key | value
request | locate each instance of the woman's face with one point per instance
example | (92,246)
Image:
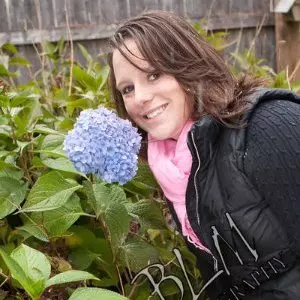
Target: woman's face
(155,102)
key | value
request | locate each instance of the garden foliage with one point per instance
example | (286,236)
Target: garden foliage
(65,234)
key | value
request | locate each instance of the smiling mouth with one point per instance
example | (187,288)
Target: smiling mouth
(156,112)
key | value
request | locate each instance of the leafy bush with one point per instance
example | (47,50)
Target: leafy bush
(63,234)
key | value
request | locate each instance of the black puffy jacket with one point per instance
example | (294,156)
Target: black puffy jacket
(252,256)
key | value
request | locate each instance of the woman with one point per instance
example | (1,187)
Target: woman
(225,152)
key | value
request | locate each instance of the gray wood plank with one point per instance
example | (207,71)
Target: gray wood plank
(123,10)
(31,14)
(238,6)
(138,6)
(77,12)
(17,15)
(108,10)
(198,8)
(90,32)
(4,19)
(59,12)
(93,11)
(238,20)
(113,11)
(47,16)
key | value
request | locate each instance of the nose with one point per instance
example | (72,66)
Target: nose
(143,93)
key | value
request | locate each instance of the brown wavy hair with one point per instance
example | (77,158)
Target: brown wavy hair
(172,46)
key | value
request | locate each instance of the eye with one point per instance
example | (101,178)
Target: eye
(127,89)
(153,76)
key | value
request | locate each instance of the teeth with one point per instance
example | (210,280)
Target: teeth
(156,112)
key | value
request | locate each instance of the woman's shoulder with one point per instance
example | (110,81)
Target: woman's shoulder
(272,150)
(273,113)
(274,129)
(272,160)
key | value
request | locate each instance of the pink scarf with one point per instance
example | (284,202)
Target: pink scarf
(171,161)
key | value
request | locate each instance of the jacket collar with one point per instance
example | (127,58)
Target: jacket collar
(202,138)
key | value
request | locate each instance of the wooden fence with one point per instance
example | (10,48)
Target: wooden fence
(90,22)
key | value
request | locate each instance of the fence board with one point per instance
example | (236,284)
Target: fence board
(264,43)
(59,13)
(244,7)
(108,11)
(31,8)
(137,6)
(17,15)
(93,11)
(93,21)
(206,9)
(47,19)
(77,12)
(4,21)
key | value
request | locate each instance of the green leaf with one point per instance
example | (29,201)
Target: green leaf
(54,223)
(50,191)
(104,195)
(80,103)
(148,212)
(108,201)
(84,238)
(21,100)
(5,130)
(18,273)
(117,222)
(70,276)
(81,258)
(84,78)
(35,230)
(19,61)
(102,79)
(61,164)
(52,145)
(52,141)
(4,101)
(40,128)
(85,53)
(33,262)
(26,116)
(138,254)
(50,49)
(3,71)
(145,176)
(10,48)
(60,46)
(22,145)
(12,173)
(6,164)
(95,294)
(12,193)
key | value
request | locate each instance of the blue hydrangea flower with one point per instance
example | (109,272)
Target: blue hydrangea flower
(102,143)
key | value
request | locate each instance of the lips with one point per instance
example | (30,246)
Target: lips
(155,112)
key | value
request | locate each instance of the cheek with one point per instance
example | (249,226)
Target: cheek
(130,109)
(127,106)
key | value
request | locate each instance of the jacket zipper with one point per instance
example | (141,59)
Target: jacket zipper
(195,186)
(215,261)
